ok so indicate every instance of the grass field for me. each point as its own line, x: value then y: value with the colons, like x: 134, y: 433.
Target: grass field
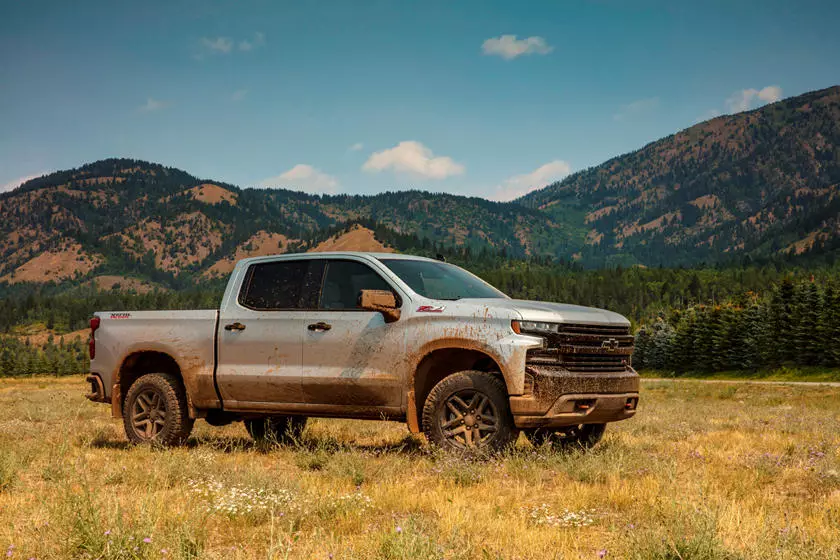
x: 704, y: 471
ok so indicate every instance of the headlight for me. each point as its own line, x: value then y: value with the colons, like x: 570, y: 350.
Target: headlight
x: 534, y: 326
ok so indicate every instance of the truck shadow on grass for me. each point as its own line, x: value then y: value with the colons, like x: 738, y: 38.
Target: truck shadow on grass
x: 407, y: 446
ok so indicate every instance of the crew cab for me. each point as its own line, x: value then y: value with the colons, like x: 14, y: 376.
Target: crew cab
x: 367, y: 335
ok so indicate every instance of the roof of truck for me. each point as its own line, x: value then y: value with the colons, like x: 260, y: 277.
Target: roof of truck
x: 319, y: 255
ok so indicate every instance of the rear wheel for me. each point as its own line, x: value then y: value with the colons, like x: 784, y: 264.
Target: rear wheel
x: 277, y: 429
x: 469, y: 411
x: 155, y: 411
x: 583, y: 436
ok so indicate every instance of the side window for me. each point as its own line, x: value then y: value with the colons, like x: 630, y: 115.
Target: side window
x: 291, y: 284
x: 343, y: 282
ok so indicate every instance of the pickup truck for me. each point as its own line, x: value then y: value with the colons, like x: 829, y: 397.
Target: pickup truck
x: 367, y: 335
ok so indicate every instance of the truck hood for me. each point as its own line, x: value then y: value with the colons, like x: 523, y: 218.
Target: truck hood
x: 554, y: 312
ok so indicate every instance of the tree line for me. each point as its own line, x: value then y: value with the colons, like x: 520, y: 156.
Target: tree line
x: 796, y: 323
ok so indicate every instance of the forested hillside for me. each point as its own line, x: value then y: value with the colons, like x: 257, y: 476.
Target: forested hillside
x: 751, y: 185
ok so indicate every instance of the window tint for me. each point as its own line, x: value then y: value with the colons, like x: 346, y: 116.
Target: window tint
x: 289, y: 284
x: 344, y: 281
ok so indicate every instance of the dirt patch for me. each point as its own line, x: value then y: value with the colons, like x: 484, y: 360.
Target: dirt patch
x: 123, y: 283
x: 260, y: 244
x: 209, y: 193
x: 357, y: 239
x: 41, y: 336
x: 706, y: 201
x: 594, y: 237
x: 600, y: 213
x: 67, y: 261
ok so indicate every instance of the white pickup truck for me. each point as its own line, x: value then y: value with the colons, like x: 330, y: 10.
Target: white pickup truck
x: 364, y: 335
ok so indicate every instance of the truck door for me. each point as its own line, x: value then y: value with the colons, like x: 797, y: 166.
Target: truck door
x: 261, y: 333
x: 350, y: 355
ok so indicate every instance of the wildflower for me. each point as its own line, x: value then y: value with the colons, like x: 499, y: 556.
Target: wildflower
x: 164, y: 551
x: 147, y: 540
x: 399, y: 529
x: 602, y: 553
x: 108, y: 532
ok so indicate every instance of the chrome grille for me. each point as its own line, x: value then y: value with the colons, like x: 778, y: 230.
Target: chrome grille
x: 585, y: 348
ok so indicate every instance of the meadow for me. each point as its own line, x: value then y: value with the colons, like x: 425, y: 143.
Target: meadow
x: 704, y: 471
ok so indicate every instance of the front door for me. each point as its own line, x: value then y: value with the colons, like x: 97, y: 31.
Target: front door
x: 350, y: 356
x: 260, y: 335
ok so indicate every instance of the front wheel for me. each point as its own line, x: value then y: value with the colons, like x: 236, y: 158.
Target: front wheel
x: 155, y: 411
x: 276, y: 429
x: 469, y: 412
x: 582, y: 436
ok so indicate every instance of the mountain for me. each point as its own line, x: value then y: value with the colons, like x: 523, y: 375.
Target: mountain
x: 134, y: 218
x: 756, y: 185
x: 752, y: 184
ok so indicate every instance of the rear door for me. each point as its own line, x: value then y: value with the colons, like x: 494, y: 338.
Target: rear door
x: 261, y: 333
x: 350, y: 355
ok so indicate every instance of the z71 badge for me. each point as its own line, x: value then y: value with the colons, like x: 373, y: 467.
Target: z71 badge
x: 431, y: 308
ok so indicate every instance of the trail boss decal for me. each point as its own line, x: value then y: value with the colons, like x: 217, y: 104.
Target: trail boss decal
x: 431, y: 308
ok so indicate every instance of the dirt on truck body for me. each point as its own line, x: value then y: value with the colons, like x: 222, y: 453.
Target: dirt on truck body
x: 367, y: 335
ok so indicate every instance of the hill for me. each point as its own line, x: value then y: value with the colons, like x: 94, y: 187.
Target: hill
x: 754, y: 184
x: 757, y: 185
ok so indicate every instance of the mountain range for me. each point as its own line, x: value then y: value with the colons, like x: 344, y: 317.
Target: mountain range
x: 755, y: 185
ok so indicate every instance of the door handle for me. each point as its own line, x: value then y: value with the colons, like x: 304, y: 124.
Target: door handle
x: 235, y: 327
x: 320, y: 326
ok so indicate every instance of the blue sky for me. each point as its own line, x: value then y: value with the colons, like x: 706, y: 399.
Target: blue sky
x: 478, y: 98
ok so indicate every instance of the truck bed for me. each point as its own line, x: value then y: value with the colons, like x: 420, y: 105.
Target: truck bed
x: 187, y: 336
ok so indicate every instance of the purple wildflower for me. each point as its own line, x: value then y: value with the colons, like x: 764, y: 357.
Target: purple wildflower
x: 602, y: 553
x: 399, y: 529
x: 147, y: 540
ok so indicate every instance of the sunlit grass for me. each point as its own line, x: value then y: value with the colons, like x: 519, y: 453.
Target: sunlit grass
x: 704, y: 471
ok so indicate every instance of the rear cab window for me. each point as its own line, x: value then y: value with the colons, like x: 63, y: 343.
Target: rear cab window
x: 282, y: 285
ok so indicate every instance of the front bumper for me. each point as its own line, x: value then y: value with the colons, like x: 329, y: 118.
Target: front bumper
x: 559, y: 397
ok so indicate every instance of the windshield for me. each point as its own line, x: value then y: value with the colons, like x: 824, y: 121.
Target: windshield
x: 438, y: 280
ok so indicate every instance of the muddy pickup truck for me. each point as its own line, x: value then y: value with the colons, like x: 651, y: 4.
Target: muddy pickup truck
x: 364, y: 335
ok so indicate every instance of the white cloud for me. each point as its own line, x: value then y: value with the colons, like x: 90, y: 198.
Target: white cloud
x: 238, y: 95
x: 747, y: 98
x: 12, y: 185
x: 218, y: 44
x: 303, y: 177
x: 154, y: 105
x: 249, y: 44
x: 413, y: 158
x: 509, y: 47
x: 358, y: 146
x: 636, y: 108
x: 520, y: 185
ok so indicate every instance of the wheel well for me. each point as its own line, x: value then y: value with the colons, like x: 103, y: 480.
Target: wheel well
x: 141, y: 363
x: 443, y: 363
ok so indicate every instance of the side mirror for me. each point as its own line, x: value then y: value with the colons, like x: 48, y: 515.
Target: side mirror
x: 382, y: 301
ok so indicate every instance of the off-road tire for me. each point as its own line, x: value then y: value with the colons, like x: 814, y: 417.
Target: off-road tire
x: 156, y: 404
x: 276, y: 429
x: 458, y: 402
x: 583, y: 436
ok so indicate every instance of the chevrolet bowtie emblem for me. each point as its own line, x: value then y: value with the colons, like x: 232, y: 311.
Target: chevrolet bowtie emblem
x: 611, y: 345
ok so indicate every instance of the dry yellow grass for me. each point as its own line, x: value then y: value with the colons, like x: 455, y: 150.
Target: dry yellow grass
x: 704, y: 471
